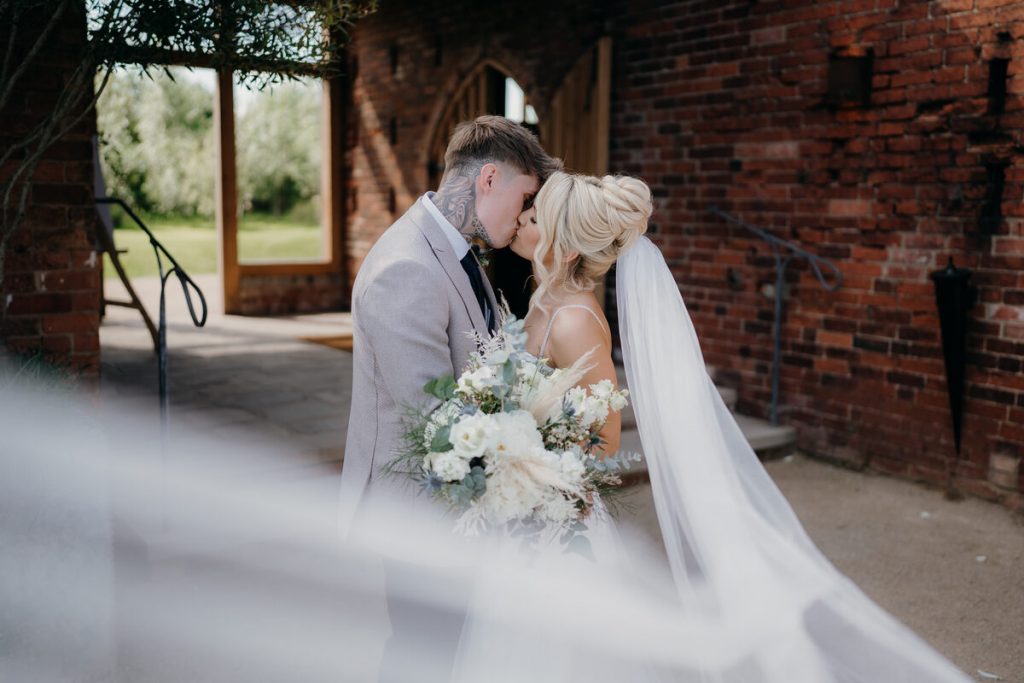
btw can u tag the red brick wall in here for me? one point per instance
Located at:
(537, 42)
(726, 103)
(49, 296)
(281, 294)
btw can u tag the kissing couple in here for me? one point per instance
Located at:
(759, 599)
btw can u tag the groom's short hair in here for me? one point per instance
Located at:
(494, 138)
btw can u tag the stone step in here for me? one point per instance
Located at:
(768, 441)
(729, 396)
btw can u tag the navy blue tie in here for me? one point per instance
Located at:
(472, 269)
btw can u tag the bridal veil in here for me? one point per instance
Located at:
(747, 576)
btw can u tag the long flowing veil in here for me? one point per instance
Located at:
(742, 565)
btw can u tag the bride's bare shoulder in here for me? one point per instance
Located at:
(577, 329)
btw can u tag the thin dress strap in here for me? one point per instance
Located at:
(551, 321)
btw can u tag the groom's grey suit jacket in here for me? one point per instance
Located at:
(413, 315)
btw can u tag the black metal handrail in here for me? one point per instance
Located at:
(777, 245)
(186, 282)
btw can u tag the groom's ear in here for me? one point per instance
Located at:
(488, 178)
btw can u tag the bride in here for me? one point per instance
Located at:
(754, 599)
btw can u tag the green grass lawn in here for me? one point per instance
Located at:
(193, 242)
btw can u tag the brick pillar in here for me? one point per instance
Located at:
(50, 292)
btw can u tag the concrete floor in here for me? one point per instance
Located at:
(952, 571)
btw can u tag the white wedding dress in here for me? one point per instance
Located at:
(750, 598)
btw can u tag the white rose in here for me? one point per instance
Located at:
(515, 434)
(450, 467)
(471, 434)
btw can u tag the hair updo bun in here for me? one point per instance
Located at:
(595, 218)
(628, 207)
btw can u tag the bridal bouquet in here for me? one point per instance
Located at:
(513, 441)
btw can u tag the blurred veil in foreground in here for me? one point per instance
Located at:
(217, 562)
(121, 564)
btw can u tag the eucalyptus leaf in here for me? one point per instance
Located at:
(476, 481)
(442, 387)
(441, 442)
(509, 372)
(578, 544)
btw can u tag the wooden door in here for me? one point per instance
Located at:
(576, 124)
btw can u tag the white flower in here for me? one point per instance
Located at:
(471, 434)
(528, 378)
(449, 466)
(594, 410)
(575, 398)
(522, 484)
(476, 380)
(498, 357)
(442, 417)
(618, 400)
(558, 509)
(515, 434)
(572, 467)
(602, 389)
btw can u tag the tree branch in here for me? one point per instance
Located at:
(33, 51)
(13, 38)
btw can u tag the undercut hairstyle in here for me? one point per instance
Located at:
(489, 139)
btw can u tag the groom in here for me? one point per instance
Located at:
(419, 295)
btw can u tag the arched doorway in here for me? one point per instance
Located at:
(574, 128)
(489, 89)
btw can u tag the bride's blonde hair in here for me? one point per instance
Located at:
(596, 218)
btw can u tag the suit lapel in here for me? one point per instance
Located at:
(446, 257)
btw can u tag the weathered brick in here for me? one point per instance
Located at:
(70, 322)
(38, 304)
(40, 313)
(710, 109)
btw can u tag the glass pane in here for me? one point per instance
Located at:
(514, 101)
(279, 161)
(531, 115)
(157, 147)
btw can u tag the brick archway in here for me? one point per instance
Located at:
(479, 92)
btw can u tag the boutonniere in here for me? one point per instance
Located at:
(483, 254)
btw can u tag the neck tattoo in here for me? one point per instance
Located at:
(480, 232)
